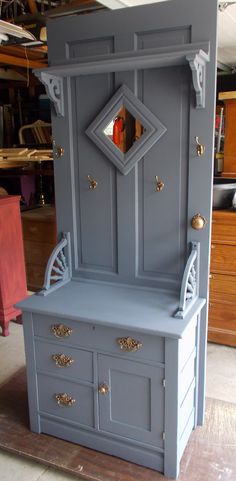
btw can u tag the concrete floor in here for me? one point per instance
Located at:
(221, 384)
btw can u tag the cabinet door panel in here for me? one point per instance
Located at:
(162, 214)
(133, 407)
(96, 207)
(223, 258)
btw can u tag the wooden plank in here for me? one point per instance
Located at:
(22, 62)
(227, 95)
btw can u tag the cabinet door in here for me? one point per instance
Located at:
(134, 405)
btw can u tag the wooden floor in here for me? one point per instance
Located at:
(210, 454)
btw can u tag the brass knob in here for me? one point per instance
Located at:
(103, 389)
(198, 222)
(93, 182)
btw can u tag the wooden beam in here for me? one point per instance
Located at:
(21, 62)
(32, 6)
(33, 53)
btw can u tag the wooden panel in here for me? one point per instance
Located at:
(35, 276)
(92, 336)
(37, 253)
(96, 208)
(223, 258)
(134, 407)
(156, 256)
(81, 367)
(12, 266)
(224, 226)
(38, 231)
(230, 138)
(81, 412)
(223, 286)
(222, 322)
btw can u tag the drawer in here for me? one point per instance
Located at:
(64, 361)
(222, 315)
(37, 253)
(222, 287)
(100, 338)
(82, 409)
(224, 227)
(39, 231)
(223, 257)
(35, 275)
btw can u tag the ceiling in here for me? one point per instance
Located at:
(20, 12)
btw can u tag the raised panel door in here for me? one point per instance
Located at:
(134, 405)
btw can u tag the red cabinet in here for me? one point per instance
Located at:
(12, 265)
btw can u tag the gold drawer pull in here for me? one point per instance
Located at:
(211, 276)
(62, 360)
(129, 344)
(64, 400)
(60, 330)
(103, 389)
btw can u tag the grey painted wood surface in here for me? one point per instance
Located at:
(147, 310)
(129, 241)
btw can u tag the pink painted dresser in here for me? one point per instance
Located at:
(12, 265)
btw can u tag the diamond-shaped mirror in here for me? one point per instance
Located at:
(125, 130)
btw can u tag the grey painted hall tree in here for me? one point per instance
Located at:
(115, 342)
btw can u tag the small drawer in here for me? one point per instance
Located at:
(66, 400)
(223, 286)
(35, 275)
(39, 231)
(91, 336)
(223, 258)
(64, 361)
(37, 253)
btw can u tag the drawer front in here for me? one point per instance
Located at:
(37, 253)
(35, 276)
(223, 228)
(222, 286)
(39, 231)
(223, 257)
(101, 338)
(80, 397)
(222, 315)
(64, 361)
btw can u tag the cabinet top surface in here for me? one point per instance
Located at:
(46, 213)
(146, 310)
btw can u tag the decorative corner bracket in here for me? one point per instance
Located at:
(197, 63)
(58, 271)
(54, 89)
(190, 282)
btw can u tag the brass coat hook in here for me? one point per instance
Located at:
(57, 150)
(93, 182)
(200, 147)
(159, 184)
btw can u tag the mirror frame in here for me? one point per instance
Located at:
(153, 129)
